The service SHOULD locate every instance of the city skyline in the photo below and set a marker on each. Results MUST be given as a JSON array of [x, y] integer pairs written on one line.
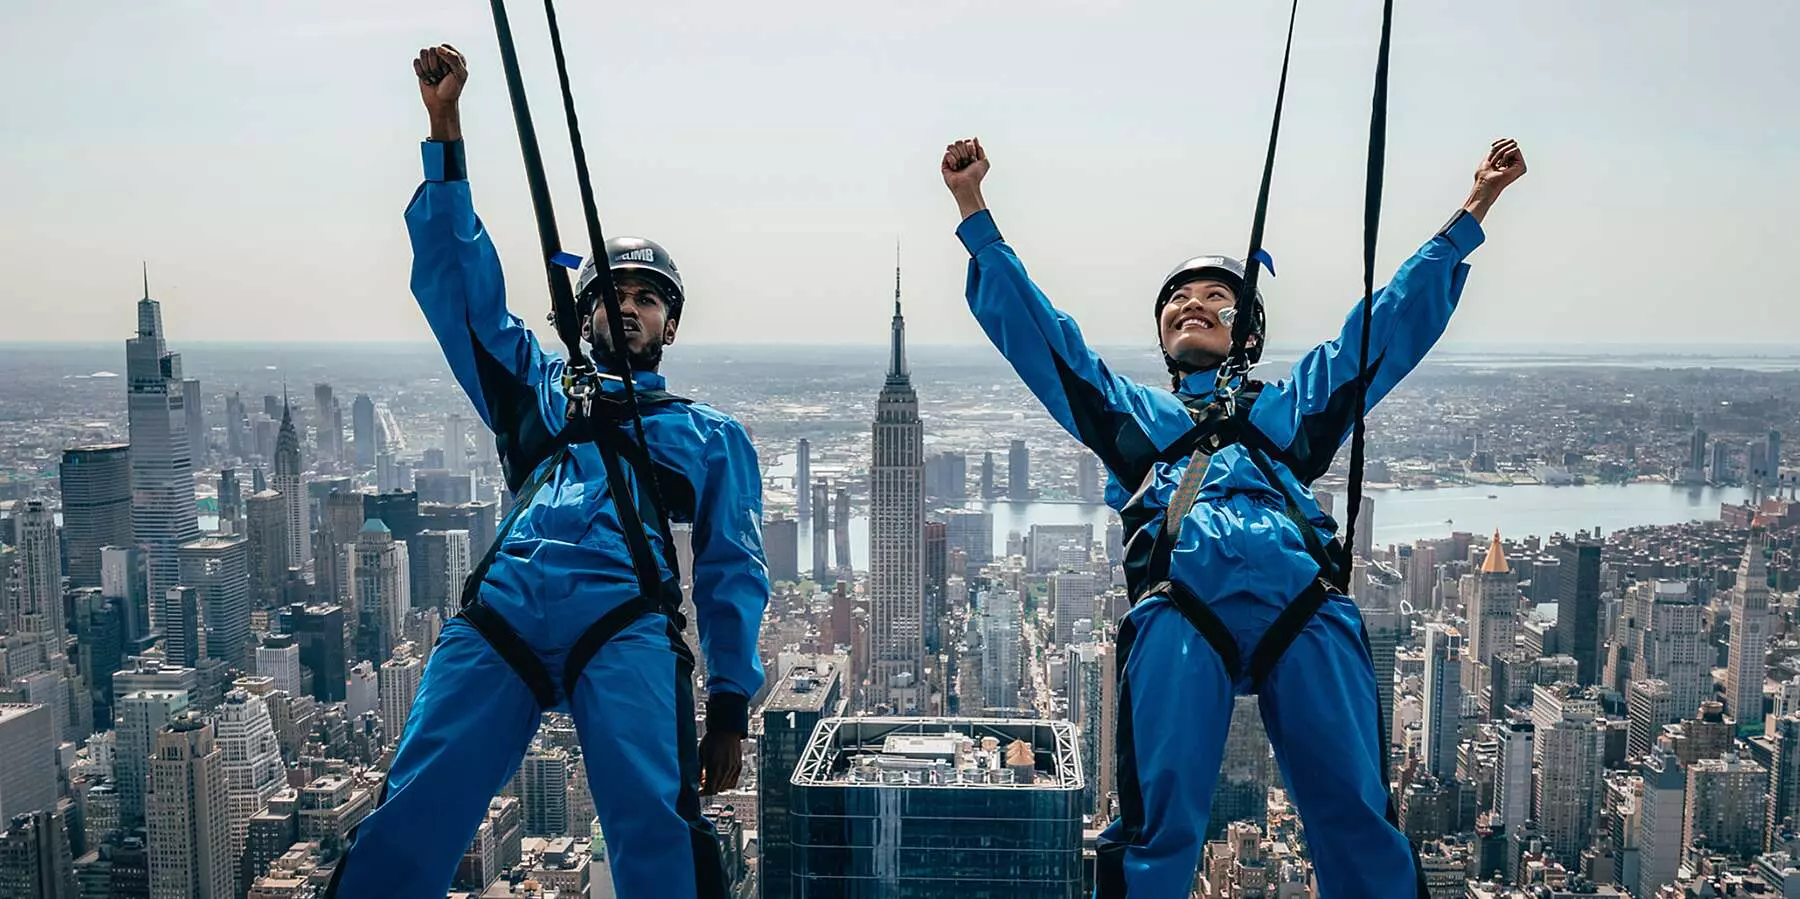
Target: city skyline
[[1526, 676]]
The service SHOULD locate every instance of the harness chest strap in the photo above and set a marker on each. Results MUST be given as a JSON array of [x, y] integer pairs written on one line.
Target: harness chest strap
[[655, 595]]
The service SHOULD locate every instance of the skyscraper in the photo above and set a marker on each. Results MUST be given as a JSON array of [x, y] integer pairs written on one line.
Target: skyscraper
[[1569, 780], [1662, 815], [34, 857], [803, 478], [1774, 456], [807, 693], [1697, 450], [290, 484], [447, 565], [265, 528], [163, 515], [188, 814], [544, 791], [937, 574], [1072, 595], [399, 683], [381, 589], [252, 761], [27, 759], [1018, 472], [183, 627], [1747, 667], [37, 603], [237, 438], [196, 421], [142, 714], [364, 431], [1006, 825], [821, 533], [1578, 604], [1726, 805], [219, 567], [1001, 648], [1245, 772], [1784, 778], [341, 518], [278, 658], [1650, 706], [781, 545], [122, 577], [840, 524], [988, 490], [1673, 647], [973, 534], [329, 428], [1088, 479], [96, 506], [1443, 699], [896, 533], [1512, 783], [456, 444], [1383, 625], [231, 502], [1492, 599], [320, 632]]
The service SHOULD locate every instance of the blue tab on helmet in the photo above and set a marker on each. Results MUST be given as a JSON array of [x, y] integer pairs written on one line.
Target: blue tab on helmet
[[1263, 257], [567, 260]]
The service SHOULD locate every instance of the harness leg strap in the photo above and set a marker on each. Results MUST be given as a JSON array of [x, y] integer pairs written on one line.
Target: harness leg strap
[[1206, 621], [601, 632], [513, 650], [1285, 630]]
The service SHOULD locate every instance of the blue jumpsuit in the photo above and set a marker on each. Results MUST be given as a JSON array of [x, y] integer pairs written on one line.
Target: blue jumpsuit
[[564, 564], [1240, 553]]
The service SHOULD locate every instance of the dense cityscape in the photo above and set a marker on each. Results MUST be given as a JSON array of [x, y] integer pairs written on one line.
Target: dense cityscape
[[225, 569]]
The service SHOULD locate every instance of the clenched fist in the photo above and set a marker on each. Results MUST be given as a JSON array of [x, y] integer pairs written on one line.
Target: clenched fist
[[965, 164], [442, 72]]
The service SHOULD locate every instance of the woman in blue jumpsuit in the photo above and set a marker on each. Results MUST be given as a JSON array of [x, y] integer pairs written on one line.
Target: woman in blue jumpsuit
[[1237, 549], [561, 567]]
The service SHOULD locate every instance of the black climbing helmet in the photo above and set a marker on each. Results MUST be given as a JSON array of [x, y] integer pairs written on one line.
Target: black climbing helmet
[[633, 256], [1219, 268]]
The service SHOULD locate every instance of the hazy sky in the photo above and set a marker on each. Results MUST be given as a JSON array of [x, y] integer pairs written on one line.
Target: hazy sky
[[259, 155]]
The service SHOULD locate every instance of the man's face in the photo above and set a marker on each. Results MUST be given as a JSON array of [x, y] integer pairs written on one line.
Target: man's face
[[644, 313], [1191, 331]]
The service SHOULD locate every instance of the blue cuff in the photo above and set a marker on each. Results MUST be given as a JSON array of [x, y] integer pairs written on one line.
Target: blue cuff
[[978, 232], [443, 160], [1464, 232], [728, 713]]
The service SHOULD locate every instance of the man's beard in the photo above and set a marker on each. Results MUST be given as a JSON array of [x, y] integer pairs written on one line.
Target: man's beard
[[647, 359]]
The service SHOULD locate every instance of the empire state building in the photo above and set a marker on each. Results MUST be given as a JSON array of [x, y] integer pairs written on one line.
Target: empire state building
[[897, 536]]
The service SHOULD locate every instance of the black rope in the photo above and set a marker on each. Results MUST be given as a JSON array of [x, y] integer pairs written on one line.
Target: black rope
[[1371, 228], [1237, 361], [603, 275], [562, 296], [578, 379]]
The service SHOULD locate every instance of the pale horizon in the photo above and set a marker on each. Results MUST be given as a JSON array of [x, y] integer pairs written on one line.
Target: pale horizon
[[259, 159]]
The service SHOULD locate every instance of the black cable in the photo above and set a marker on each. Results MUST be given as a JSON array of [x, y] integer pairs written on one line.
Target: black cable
[[1371, 229], [562, 296], [1247, 314]]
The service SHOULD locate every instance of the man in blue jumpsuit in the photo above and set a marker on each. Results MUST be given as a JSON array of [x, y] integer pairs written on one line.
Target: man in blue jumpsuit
[[1239, 552], [563, 565]]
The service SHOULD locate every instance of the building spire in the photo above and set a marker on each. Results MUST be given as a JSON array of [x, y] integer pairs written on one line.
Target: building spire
[[146, 279], [1495, 563], [897, 373]]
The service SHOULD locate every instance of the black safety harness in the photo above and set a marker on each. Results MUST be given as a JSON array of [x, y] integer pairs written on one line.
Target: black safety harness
[[1152, 547], [594, 414], [1220, 420]]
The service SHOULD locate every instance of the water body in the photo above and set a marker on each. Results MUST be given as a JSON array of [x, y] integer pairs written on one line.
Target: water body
[[1403, 516]]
